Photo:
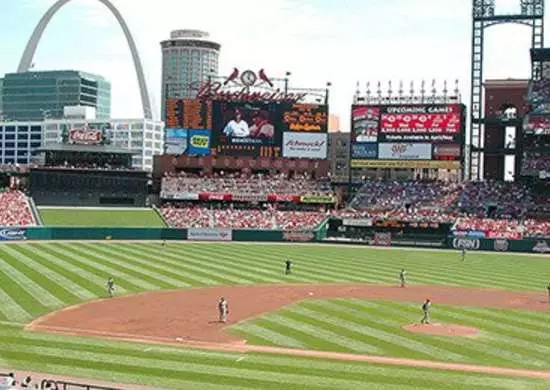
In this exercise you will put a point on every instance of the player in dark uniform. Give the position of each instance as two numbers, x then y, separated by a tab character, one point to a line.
111	287
463	253
426	310
548	288
288	266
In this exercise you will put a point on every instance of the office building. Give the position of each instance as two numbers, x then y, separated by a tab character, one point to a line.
35	96
19	139
189	58
339	150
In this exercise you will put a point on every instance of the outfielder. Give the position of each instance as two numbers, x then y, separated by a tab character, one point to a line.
223	308
288	266
403	277
463	253
426	310
548	288
111	287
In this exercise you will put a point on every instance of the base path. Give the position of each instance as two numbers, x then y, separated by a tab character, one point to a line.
189	317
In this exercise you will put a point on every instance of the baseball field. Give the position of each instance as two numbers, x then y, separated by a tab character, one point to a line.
100	217
338	321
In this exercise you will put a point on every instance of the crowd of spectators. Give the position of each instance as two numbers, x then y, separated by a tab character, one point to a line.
255	184
15	209
535	162
496	208
11	382
539	92
201	216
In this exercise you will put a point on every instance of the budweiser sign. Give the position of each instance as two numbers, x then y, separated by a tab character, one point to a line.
85	137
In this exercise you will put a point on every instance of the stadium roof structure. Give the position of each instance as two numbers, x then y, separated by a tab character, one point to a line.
85	149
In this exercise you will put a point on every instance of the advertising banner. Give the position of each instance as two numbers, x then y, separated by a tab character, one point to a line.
365	121
508	235
200	234
305	145
248	198
311	118
215	196
176	141
179	195
13	234
359	222
317	199
199	142
382	239
282	198
466	243
447	152
298	235
405	164
364	150
405	151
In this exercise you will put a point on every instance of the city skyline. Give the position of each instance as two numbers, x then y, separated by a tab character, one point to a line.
338	43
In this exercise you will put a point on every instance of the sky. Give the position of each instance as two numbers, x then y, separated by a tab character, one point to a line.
341	41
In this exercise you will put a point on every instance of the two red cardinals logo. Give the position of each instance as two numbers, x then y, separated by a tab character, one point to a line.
236	73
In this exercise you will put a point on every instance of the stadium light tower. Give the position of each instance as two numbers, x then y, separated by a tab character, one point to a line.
483	16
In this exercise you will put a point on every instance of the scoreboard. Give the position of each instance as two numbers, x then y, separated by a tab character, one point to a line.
189	114
407	136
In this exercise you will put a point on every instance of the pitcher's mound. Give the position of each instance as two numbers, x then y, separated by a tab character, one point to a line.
442	329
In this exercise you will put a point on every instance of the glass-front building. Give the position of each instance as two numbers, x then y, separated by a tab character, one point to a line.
189	57
34	96
18	140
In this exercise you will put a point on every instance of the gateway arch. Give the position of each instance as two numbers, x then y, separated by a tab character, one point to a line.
30	49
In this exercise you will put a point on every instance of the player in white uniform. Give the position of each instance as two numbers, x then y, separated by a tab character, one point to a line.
111	287
403	277
223	308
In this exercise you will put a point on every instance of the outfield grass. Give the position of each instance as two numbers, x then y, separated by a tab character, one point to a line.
36	278
100	217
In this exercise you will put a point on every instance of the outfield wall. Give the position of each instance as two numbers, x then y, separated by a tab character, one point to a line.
221	235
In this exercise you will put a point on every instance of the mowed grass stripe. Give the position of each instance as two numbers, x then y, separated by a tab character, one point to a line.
368	375
11	310
271	337
370	314
94	278
193	275
229	269
201	263
130	268
77	291
146	264
109	269
191	370
32	281
259	261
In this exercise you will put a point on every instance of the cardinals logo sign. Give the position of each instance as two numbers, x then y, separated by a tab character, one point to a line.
247	86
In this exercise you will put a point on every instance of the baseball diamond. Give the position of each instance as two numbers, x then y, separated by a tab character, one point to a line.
344	305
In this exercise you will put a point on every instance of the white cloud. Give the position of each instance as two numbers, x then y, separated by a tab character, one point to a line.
317	41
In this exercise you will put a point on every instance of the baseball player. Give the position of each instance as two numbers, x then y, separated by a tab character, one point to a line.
111	287
403	277
426	310
288	266
548	288
163	242
223	308
463	253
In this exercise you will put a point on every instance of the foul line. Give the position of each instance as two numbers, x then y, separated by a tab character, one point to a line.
241	347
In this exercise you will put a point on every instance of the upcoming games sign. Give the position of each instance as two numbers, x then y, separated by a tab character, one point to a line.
407	136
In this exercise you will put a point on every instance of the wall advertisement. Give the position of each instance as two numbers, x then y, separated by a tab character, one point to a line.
204	234
405	151
305	145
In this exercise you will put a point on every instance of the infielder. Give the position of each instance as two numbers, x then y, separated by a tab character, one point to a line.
403	277
111	287
463	253
288	266
426	310
223	308
548	288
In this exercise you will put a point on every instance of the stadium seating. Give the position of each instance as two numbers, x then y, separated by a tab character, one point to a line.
15	210
197	216
250	184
